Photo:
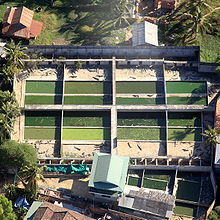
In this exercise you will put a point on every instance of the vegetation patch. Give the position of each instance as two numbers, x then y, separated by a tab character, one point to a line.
141	119
141	133
42	133
86	134
192	119
134	181
87	100
39	118
154	184
86	119
51	87
87	87
42	100
184	134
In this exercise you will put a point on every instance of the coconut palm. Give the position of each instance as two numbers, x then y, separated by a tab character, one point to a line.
30	176
15	54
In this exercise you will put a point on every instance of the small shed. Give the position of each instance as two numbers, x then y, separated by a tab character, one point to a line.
145	33
18	22
108	175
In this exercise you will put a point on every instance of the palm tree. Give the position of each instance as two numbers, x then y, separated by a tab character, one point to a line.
15	54
30	176
211	135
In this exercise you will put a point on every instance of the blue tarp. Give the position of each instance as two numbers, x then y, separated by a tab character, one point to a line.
21	202
69	169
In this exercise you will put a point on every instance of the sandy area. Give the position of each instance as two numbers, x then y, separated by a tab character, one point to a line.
73	150
180	218
145	149
180	149
77	185
88	74
139	74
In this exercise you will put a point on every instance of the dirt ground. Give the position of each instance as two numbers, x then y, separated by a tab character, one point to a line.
145	149
180	149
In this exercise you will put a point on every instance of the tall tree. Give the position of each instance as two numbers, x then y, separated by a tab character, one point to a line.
30	176
6	210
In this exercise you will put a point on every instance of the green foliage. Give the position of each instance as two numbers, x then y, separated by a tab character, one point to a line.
215	214
17	155
9	111
29	176
211	134
6	210
58	3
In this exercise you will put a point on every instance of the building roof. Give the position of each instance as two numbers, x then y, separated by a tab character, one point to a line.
149	201
109	172
49	211
145	33
18	22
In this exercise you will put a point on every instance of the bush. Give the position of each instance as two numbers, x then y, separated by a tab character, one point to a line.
58	3
14	155
85	29
72	15
6	210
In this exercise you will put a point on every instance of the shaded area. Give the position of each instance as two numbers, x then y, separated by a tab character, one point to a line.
185	209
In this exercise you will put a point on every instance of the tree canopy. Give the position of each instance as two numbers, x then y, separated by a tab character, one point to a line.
215	214
16	155
6	210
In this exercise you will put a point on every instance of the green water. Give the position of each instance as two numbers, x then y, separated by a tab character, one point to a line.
186	87
184	134
42	133
87	100
141	119
141	133
187	100
76	87
89	119
139	101
86	134
52	87
139	87
45	118
42	100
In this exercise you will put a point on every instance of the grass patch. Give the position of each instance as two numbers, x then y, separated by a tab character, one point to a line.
154	184
141	133
184	134
192	119
84	118
87	100
158	177
139	87
42	133
184	191
139	101
185	209
51	87
86	134
186	87
187	100
141	119
39	118
42	100
134	181
87	88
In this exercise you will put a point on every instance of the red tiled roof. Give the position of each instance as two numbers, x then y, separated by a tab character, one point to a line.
18	22
49	211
